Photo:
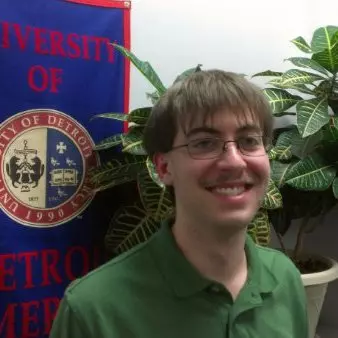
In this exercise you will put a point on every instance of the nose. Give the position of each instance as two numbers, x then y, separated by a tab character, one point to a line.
231	158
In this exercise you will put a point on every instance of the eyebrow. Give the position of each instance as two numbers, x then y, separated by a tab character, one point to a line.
204	129
215	132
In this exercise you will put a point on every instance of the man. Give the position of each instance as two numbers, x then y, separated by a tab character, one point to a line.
200	276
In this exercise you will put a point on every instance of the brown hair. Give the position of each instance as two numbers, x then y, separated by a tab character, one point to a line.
200	96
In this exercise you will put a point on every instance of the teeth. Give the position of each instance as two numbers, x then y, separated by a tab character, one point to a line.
230	191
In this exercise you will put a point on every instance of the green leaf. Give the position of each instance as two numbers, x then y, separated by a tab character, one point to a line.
308	63
188	72
119	180
302	147
335	187
323	89
153	173
328	58
129	165
280	99
109	142
156	200
330	131
285	138
268	73
302	44
139	116
279	170
299	87
130	226
144	67
113	116
281	153
312	173
312	115
334	120
296	76
259	228
153	97
322	38
133	142
273	197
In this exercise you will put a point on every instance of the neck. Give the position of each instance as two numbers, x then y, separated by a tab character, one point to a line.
219	256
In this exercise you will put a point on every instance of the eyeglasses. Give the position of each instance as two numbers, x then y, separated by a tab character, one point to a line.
208	148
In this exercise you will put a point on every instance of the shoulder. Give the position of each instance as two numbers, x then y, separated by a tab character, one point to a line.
111	277
279	264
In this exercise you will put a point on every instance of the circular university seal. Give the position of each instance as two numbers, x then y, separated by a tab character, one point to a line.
44	158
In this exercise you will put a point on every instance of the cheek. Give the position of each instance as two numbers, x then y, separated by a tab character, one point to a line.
260	167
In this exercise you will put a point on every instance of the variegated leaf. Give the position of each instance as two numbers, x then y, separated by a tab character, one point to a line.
285	138
156	200
133	142
302	44
334	121
280	99
144	67
113	116
328	58
296	77
130	226
268	73
330	133
302	88
118	180
273	198
322	38
129	165
139	116
312	115
302	147
109	142
153	97
259	228
312	173
281	153
279	171
308	63
335	187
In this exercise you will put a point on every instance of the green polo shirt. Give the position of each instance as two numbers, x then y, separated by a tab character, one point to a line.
152	291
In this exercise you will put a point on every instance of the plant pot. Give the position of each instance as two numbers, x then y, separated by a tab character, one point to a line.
316	286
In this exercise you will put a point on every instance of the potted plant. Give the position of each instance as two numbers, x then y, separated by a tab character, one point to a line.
134	223
304	157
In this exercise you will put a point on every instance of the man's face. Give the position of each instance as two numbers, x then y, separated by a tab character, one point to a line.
226	190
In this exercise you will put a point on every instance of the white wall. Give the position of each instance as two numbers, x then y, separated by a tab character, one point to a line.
242	36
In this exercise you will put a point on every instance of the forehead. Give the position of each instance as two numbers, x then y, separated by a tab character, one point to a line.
223	121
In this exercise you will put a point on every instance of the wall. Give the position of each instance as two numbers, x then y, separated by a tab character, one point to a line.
240	36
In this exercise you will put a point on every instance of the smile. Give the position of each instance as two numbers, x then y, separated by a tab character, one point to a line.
229	191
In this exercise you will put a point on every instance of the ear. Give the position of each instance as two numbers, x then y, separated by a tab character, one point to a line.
163	168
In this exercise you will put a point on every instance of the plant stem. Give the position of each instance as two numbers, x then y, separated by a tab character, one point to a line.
281	242
300	238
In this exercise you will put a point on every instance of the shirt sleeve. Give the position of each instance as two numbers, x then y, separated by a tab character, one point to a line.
66	323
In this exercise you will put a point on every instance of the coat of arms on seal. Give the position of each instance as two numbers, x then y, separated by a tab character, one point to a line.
45	156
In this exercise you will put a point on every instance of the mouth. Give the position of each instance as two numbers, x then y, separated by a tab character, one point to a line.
230	190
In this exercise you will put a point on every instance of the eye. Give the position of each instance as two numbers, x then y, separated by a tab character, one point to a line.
204	144
250	141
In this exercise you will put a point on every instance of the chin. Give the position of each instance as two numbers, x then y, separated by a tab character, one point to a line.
237	220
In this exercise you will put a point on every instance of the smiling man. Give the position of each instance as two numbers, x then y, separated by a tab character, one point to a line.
200	275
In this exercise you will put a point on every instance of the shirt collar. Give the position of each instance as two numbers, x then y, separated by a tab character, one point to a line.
186	281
